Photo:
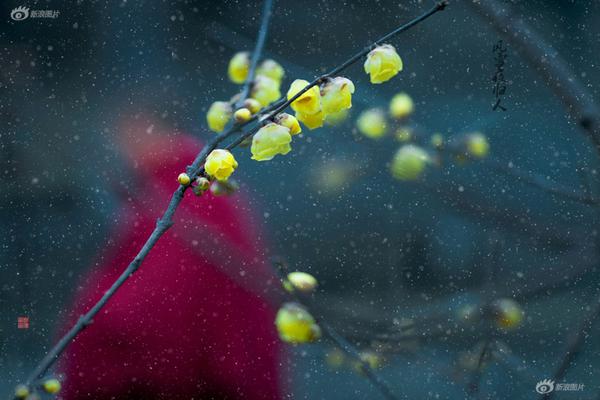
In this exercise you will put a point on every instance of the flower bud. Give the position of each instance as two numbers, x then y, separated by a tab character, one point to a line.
437	140
183	179
477	145
508	314
218	115
312	121
309	102
51	386
223	188
252	105
372	123
242	115
270	140
295	324
21	392
265	90
239	65
220	164
383	63
401	106
202	185
302	281
370	358
336	95
290	122
271	69
409	162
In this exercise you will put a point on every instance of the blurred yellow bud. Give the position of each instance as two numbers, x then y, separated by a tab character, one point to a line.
21	392
238	67
508	313
270	140
295	324
252	105
265	90
409	162
372	123
309	102
335	358
51	386
271	69
336	95
220	164
302	281
242	115
404	134
202	185
401	106
218	115
477	145
337	117
290	122
312	121
383	63
184	179
370	358
437	140
223	188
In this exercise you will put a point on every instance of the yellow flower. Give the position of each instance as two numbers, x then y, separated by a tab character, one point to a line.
477	145
183	179
336	118
302	281
238	67
21	392
437	140
265	90
270	140
312	121
371	123
290	122
383	63
401	106
218	115
271	69
252	105
296	325
309	102
51	386
404	134
409	162
242	115
220	164
508	313
336	95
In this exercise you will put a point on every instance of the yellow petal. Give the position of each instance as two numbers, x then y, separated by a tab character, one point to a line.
372	123
477	145
290	122
312	121
238	67
271	69
409	163
336	95
401	106
295	324
383	63
218	115
265	90
309	102
220	164
270	140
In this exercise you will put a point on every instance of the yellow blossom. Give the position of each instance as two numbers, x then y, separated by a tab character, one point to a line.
437	140
336	95
184	179
336	118
383	63
252	105
238	67
508	313
372	123
290	122
265	90
220	164
242	115
21	392
401	106
271	69
270	140
477	145
296	325
312	121
309	102
409	162
51	386
218	115
302	281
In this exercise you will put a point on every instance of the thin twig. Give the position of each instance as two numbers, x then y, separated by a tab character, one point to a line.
307	301
194	170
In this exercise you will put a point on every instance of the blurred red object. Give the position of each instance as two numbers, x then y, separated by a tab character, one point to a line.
196	320
23	322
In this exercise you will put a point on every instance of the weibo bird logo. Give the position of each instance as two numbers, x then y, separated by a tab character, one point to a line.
20	13
545	386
